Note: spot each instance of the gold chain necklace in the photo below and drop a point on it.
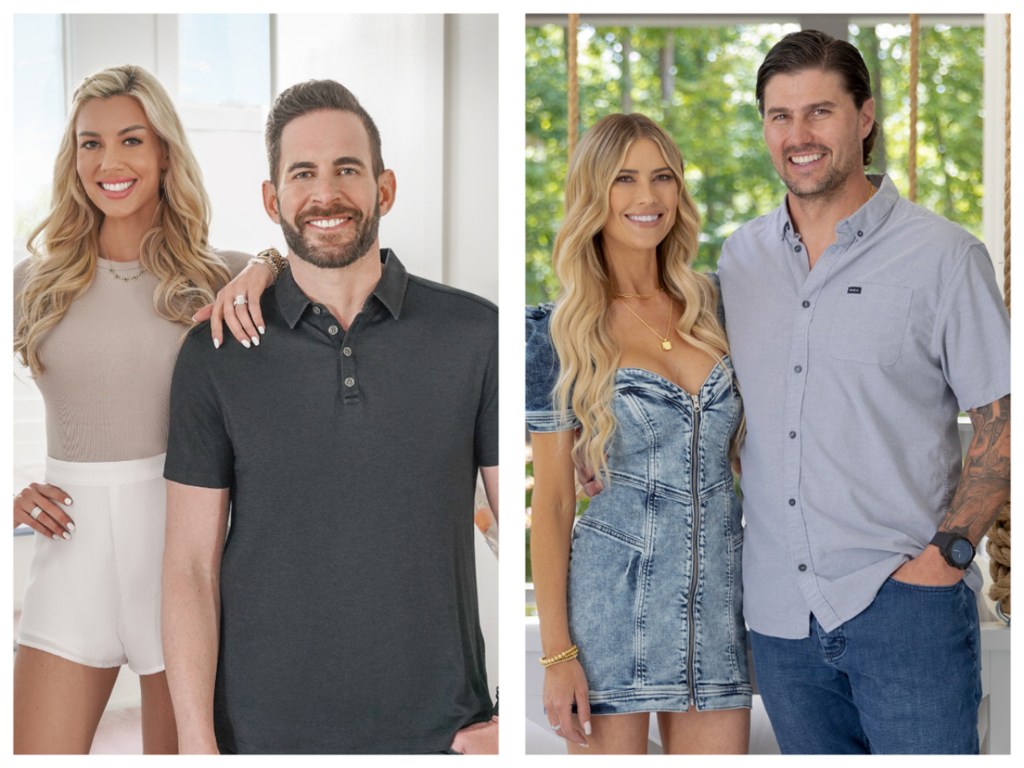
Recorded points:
(114, 272)
(639, 295)
(665, 343)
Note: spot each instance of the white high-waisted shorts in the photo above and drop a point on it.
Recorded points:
(95, 599)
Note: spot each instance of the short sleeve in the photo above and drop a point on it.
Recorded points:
(972, 333)
(199, 451)
(486, 437)
(542, 374)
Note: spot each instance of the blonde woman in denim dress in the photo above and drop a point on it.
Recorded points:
(628, 372)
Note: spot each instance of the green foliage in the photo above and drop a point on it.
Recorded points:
(704, 97)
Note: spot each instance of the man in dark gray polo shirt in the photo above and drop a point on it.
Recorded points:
(860, 325)
(343, 603)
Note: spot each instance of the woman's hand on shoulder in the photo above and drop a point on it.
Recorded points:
(38, 507)
(238, 305)
(564, 685)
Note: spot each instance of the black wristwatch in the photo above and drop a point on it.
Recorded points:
(958, 551)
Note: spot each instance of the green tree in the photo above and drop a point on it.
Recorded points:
(699, 84)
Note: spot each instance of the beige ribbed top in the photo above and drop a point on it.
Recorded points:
(108, 363)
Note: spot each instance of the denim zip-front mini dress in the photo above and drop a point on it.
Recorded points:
(655, 584)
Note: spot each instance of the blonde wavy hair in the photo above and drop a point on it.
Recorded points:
(579, 324)
(65, 245)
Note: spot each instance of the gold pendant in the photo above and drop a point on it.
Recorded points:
(666, 345)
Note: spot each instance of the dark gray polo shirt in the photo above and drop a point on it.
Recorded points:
(852, 375)
(349, 603)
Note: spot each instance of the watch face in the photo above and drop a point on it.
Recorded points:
(961, 552)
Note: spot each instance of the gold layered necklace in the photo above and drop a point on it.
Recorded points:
(665, 343)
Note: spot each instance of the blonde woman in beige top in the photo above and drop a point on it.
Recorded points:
(117, 271)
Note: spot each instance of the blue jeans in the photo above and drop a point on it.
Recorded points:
(902, 677)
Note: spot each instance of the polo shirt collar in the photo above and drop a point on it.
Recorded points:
(864, 219)
(390, 290)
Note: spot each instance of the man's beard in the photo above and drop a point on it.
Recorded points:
(334, 256)
(833, 180)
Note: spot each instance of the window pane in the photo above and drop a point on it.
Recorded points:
(39, 118)
(224, 59)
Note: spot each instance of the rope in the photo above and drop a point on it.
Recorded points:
(915, 67)
(574, 85)
(999, 535)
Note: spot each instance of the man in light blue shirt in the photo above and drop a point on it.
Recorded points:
(860, 325)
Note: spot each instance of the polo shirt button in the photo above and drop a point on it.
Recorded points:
(350, 382)
(346, 351)
(798, 368)
(801, 567)
(806, 304)
(798, 248)
(333, 330)
(792, 435)
(860, 233)
(316, 310)
(792, 502)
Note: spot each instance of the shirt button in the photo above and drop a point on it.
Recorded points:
(798, 368)
(333, 330)
(792, 502)
(350, 382)
(801, 567)
(860, 233)
(806, 304)
(346, 351)
(798, 248)
(792, 435)
(316, 310)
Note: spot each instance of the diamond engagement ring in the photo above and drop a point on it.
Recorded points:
(36, 512)
(240, 300)
(556, 727)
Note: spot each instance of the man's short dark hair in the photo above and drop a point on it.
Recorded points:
(811, 49)
(312, 96)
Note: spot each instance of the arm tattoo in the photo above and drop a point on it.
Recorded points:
(985, 480)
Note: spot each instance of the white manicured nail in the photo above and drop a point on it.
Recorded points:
(71, 527)
(256, 340)
(67, 536)
(67, 501)
(216, 343)
(261, 329)
(246, 344)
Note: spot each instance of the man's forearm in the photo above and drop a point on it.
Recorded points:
(191, 618)
(985, 480)
(196, 526)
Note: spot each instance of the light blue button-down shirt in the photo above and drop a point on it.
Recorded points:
(852, 376)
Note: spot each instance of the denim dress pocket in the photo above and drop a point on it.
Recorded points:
(604, 601)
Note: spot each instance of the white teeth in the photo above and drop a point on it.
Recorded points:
(121, 186)
(805, 159)
(643, 219)
(325, 223)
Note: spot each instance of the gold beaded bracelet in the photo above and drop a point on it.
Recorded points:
(569, 653)
(271, 259)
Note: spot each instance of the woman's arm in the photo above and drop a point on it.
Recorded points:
(554, 509)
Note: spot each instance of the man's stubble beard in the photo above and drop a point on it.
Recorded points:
(828, 187)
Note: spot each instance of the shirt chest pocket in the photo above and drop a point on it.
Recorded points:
(870, 322)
